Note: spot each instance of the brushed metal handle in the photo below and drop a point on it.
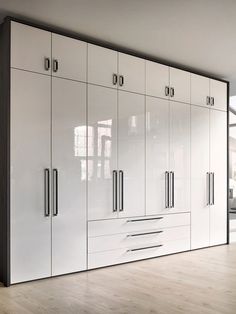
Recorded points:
(46, 192)
(55, 65)
(114, 79)
(208, 188)
(213, 188)
(144, 219)
(114, 190)
(143, 234)
(212, 101)
(172, 92)
(121, 80)
(145, 248)
(46, 64)
(208, 100)
(167, 192)
(167, 90)
(172, 189)
(55, 192)
(121, 190)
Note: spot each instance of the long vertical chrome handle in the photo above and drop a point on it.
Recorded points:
(213, 188)
(114, 190)
(46, 64)
(55, 192)
(46, 192)
(167, 186)
(172, 189)
(121, 190)
(208, 188)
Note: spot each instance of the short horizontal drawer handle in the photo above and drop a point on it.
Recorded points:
(144, 219)
(145, 248)
(144, 233)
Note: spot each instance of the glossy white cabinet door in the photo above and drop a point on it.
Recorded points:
(102, 151)
(133, 71)
(157, 154)
(157, 79)
(69, 158)
(29, 48)
(218, 90)
(200, 163)
(180, 81)
(71, 56)
(131, 152)
(30, 155)
(218, 165)
(102, 65)
(200, 90)
(180, 155)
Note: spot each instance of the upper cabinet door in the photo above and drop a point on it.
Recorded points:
(157, 79)
(102, 66)
(69, 165)
(218, 91)
(157, 154)
(69, 58)
(200, 90)
(131, 73)
(30, 48)
(179, 85)
(180, 156)
(131, 154)
(102, 153)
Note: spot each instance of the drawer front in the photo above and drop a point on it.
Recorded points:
(136, 240)
(119, 256)
(114, 226)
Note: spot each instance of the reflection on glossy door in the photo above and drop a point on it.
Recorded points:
(69, 158)
(157, 153)
(102, 151)
(131, 152)
(180, 154)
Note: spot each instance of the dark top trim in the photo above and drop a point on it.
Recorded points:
(105, 44)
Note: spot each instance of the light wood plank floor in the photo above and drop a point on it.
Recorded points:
(197, 282)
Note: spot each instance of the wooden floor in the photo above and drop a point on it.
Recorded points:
(197, 282)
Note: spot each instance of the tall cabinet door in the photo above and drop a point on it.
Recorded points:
(157, 154)
(218, 165)
(180, 156)
(102, 153)
(30, 156)
(200, 159)
(131, 154)
(30, 48)
(68, 176)
(69, 58)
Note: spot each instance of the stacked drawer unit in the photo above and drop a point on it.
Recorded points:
(115, 241)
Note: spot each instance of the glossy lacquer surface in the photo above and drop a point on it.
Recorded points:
(180, 154)
(30, 155)
(218, 165)
(102, 151)
(200, 165)
(69, 158)
(157, 153)
(131, 152)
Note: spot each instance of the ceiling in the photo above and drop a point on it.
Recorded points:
(198, 34)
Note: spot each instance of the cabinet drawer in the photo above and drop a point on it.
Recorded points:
(106, 258)
(114, 226)
(135, 239)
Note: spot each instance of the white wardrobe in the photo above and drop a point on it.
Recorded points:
(112, 158)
